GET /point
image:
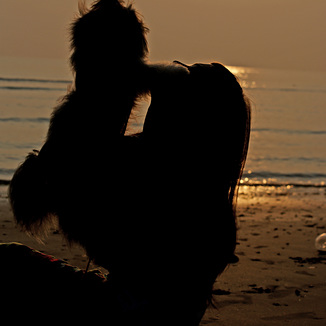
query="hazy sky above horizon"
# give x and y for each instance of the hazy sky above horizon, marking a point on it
(264, 33)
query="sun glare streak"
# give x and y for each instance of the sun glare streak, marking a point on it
(245, 75)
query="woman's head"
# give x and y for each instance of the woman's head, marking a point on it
(204, 115)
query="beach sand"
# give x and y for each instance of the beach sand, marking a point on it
(280, 278)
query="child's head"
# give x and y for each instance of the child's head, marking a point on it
(105, 35)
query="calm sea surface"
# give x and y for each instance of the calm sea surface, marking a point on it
(288, 144)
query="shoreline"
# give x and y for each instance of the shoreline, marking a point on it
(280, 277)
(250, 183)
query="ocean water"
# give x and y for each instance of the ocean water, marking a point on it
(288, 140)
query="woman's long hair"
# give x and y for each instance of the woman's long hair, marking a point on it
(224, 119)
(197, 132)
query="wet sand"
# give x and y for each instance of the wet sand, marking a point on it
(280, 278)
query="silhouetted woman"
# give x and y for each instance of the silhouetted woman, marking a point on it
(196, 136)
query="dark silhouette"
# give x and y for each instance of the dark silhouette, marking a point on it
(159, 211)
(196, 136)
(86, 132)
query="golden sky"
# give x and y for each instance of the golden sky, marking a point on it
(264, 33)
